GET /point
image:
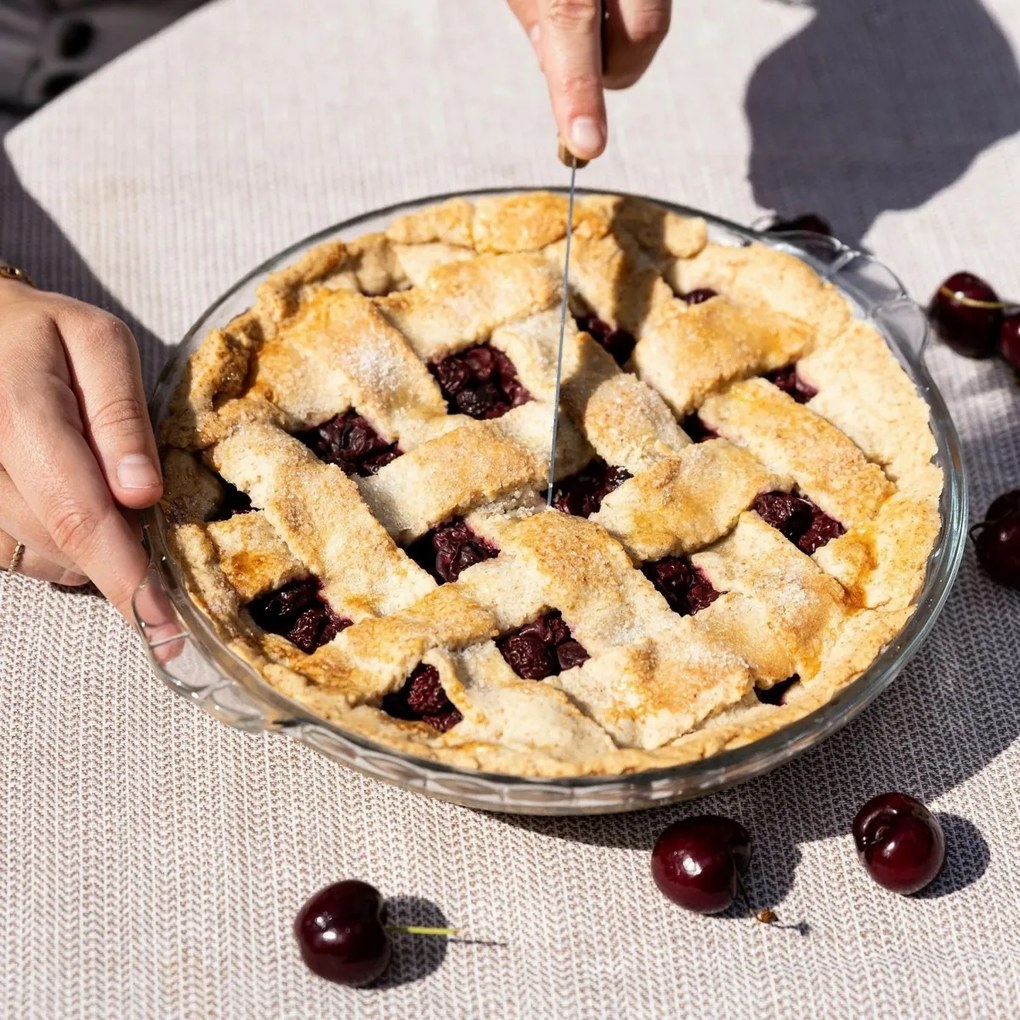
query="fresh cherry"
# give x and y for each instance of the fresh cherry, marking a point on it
(342, 933)
(697, 862)
(899, 842)
(1009, 340)
(967, 314)
(1002, 506)
(997, 543)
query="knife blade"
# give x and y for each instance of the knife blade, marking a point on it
(568, 159)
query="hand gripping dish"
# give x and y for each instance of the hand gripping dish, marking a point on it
(758, 506)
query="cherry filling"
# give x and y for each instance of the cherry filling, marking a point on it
(234, 502)
(775, 694)
(349, 441)
(699, 296)
(684, 587)
(542, 648)
(582, 494)
(696, 429)
(422, 699)
(800, 520)
(481, 382)
(298, 612)
(617, 342)
(449, 548)
(787, 380)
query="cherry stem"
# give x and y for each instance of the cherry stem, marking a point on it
(417, 929)
(969, 302)
(766, 915)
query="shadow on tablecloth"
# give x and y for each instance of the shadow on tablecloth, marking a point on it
(29, 238)
(878, 106)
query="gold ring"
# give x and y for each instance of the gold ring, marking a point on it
(19, 551)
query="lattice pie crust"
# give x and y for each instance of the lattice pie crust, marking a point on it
(355, 330)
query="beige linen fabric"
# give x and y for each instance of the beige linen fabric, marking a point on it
(151, 861)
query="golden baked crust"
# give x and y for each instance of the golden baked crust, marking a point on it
(357, 326)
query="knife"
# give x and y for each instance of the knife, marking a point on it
(568, 159)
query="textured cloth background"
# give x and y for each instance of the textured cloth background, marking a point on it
(151, 861)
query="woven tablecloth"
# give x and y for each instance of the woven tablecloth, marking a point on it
(153, 860)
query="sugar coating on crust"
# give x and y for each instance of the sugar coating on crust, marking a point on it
(357, 328)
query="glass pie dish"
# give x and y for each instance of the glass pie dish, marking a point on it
(192, 660)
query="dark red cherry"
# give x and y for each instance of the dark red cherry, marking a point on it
(685, 588)
(480, 381)
(581, 494)
(423, 699)
(806, 221)
(997, 543)
(617, 342)
(967, 315)
(899, 842)
(1009, 340)
(342, 935)
(697, 862)
(542, 648)
(349, 441)
(298, 612)
(1007, 503)
(449, 548)
(233, 502)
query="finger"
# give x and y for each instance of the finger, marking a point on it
(572, 62)
(526, 12)
(57, 473)
(635, 31)
(107, 379)
(17, 519)
(32, 564)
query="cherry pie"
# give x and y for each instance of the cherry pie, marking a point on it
(745, 503)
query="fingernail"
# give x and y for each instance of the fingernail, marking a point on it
(585, 136)
(136, 471)
(535, 35)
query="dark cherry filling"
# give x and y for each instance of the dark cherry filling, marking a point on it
(298, 612)
(617, 342)
(542, 648)
(422, 699)
(697, 429)
(800, 520)
(787, 380)
(699, 296)
(234, 502)
(582, 494)
(448, 549)
(481, 382)
(775, 694)
(684, 587)
(351, 443)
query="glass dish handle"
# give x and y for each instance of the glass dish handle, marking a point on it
(187, 670)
